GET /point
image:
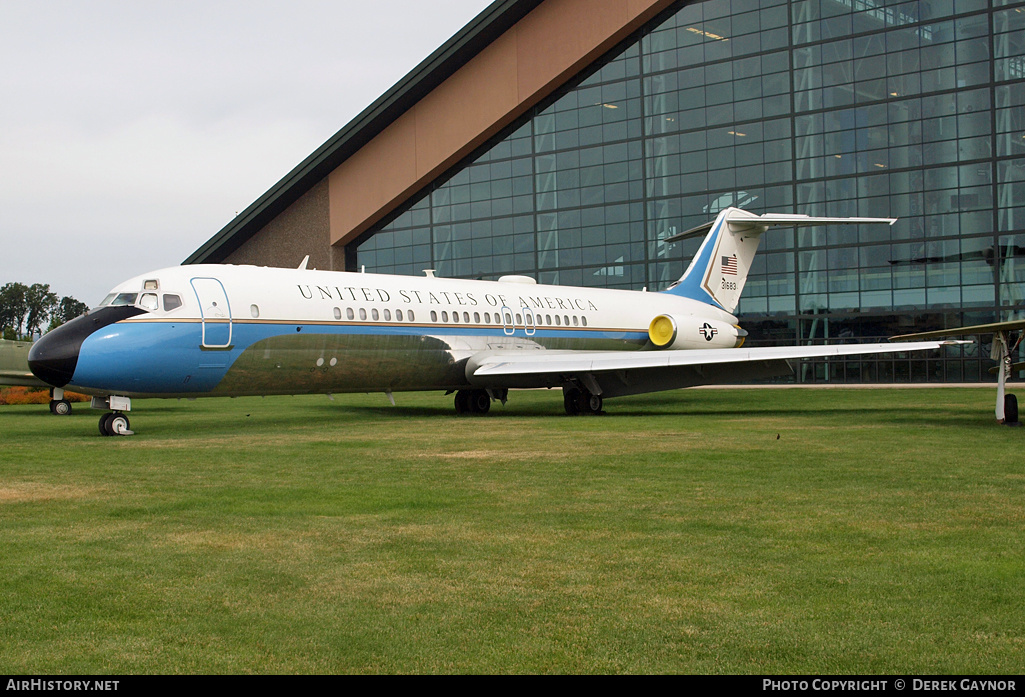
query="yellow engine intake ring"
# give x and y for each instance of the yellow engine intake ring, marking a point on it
(662, 331)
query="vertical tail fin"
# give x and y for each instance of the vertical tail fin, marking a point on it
(718, 272)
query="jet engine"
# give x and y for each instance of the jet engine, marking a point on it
(668, 332)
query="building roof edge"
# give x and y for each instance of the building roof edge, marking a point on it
(491, 23)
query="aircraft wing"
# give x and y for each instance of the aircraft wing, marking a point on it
(14, 365)
(1014, 368)
(991, 328)
(631, 372)
(19, 378)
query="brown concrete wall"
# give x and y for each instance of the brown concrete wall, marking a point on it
(303, 228)
(529, 62)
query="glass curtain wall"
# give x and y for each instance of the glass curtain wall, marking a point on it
(911, 110)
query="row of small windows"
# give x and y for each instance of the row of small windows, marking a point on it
(375, 315)
(536, 320)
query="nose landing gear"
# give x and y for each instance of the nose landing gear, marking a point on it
(60, 407)
(58, 404)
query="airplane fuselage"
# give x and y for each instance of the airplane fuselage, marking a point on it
(217, 330)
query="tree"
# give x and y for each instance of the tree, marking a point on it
(13, 308)
(25, 309)
(66, 310)
(41, 302)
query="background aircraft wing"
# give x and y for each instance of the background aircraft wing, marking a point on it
(14, 378)
(618, 373)
(1006, 410)
(14, 368)
(991, 328)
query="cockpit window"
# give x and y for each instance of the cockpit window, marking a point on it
(148, 301)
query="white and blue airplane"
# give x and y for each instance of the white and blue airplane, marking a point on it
(223, 330)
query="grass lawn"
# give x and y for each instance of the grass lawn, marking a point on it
(772, 531)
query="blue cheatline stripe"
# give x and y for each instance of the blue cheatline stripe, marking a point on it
(266, 328)
(690, 285)
(162, 357)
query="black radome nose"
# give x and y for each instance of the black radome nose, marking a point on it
(53, 358)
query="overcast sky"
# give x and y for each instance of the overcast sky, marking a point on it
(131, 132)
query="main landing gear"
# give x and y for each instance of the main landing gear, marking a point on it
(1007, 404)
(1011, 410)
(473, 402)
(578, 401)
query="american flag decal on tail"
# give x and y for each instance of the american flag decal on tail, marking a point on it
(729, 266)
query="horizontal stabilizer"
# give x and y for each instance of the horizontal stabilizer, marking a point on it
(740, 220)
(693, 232)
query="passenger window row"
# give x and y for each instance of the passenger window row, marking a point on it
(539, 320)
(376, 315)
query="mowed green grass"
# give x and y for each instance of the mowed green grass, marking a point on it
(701, 531)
